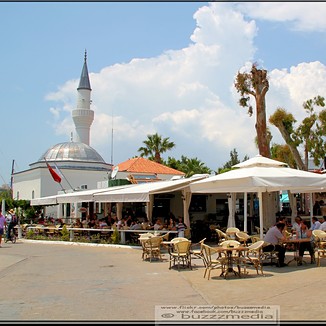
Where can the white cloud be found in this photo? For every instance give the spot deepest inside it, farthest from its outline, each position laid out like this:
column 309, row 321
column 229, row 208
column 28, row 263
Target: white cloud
column 304, row 16
column 187, row 94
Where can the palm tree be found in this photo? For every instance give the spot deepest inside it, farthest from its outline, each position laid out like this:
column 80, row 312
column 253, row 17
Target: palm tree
column 189, row 166
column 155, row 145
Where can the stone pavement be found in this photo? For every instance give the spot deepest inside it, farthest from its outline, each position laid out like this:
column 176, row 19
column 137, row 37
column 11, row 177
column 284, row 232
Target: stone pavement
column 56, row 281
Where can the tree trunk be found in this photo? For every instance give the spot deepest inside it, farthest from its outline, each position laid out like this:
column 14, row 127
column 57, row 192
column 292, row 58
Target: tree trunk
column 261, row 128
column 286, row 136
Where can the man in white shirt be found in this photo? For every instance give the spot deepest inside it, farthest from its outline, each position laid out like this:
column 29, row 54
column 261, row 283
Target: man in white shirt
column 315, row 223
column 296, row 225
column 323, row 224
column 274, row 237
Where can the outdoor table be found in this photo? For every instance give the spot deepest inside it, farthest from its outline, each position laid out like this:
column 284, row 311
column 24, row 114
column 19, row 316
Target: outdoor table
column 296, row 243
column 154, row 232
column 230, row 259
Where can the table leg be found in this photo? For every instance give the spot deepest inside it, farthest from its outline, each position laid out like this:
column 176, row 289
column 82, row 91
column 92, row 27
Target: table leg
column 229, row 268
column 295, row 254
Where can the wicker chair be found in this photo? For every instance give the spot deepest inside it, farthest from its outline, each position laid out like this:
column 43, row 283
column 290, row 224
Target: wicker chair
column 230, row 232
column 198, row 253
column 221, row 236
column 271, row 255
column 254, row 256
column 151, row 248
column 219, row 262
column 242, row 237
column 320, row 244
column 180, row 254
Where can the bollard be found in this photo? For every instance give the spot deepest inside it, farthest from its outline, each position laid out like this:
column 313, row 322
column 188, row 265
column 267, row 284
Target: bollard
column 20, row 233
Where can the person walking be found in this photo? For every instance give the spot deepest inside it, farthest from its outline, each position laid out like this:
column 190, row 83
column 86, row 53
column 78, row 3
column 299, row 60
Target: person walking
column 3, row 223
column 11, row 221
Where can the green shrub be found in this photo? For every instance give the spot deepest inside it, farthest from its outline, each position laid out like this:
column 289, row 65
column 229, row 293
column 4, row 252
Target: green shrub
column 115, row 236
column 65, row 234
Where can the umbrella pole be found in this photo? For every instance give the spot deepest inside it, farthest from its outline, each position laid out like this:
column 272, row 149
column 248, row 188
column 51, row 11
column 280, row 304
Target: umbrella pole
column 261, row 220
column 245, row 213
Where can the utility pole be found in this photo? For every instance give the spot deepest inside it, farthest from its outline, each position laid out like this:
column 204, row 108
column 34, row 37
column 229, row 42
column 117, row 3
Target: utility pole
column 12, row 178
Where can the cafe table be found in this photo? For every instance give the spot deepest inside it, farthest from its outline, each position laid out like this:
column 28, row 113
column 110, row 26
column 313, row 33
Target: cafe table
column 233, row 255
column 296, row 243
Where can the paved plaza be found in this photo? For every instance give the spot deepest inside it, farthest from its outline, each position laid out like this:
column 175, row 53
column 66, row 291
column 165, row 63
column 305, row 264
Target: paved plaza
column 51, row 281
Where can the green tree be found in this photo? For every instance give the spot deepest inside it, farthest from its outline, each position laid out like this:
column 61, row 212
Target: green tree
column 284, row 121
column 155, row 145
column 234, row 159
column 283, row 153
column 310, row 134
column 255, row 84
column 189, row 166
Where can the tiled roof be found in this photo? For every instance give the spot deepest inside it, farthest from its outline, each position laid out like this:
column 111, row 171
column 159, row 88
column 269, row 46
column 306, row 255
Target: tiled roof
column 143, row 165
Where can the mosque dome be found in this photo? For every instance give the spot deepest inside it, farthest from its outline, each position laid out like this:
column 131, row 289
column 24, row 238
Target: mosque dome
column 72, row 151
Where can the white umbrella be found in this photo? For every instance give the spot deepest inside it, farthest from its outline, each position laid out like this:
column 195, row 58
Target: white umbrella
column 260, row 175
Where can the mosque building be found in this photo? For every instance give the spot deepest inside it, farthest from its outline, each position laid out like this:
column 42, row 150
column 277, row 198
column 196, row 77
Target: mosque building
column 77, row 165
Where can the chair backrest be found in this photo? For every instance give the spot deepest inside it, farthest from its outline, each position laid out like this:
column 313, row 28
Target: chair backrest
column 182, row 247
column 255, row 238
column 319, row 235
column 165, row 237
column 208, row 252
column 242, row 236
column 177, row 239
column 155, row 242
column 230, row 243
column 145, row 236
column 256, row 246
column 221, row 235
column 231, row 231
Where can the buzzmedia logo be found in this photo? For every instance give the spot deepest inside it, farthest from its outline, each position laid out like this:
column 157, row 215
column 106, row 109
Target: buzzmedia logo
column 211, row 314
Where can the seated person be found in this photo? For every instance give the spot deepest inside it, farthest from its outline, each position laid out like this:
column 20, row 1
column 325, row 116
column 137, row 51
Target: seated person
column 158, row 225
column 296, row 225
column 305, row 233
column 323, row 223
column 135, row 225
column 103, row 224
column 78, row 223
column 180, row 226
column 315, row 223
column 274, row 237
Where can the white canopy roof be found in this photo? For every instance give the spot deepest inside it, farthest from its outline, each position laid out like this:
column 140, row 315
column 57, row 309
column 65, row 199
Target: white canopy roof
column 49, row 200
column 141, row 192
column 263, row 176
column 124, row 193
column 73, row 197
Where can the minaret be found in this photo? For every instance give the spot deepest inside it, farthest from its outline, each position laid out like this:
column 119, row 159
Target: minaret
column 83, row 116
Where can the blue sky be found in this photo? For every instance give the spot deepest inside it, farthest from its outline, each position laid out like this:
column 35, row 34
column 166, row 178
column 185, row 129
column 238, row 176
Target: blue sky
column 161, row 67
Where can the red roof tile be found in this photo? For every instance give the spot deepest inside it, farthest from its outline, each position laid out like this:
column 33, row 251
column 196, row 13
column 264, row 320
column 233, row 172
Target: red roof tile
column 143, row 165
